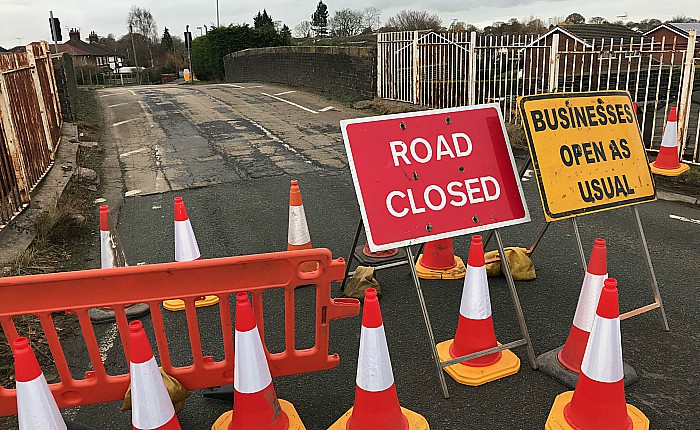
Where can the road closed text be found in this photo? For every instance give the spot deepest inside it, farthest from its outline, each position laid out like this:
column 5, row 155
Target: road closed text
column 436, row 196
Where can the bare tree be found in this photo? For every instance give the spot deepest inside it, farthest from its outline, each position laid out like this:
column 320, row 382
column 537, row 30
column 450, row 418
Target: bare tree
column 345, row 22
column 140, row 20
column 303, row 29
column 408, row 20
column 371, row 18
column 597, row 20
column 682, row 18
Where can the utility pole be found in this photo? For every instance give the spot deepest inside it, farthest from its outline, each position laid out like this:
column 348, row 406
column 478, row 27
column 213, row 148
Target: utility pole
column 217, row 13
column 133, row 46
column 188, row 42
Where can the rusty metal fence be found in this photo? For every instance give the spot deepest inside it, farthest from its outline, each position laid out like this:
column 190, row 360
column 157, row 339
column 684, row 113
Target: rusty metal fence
column 440, row 69
column 30, row 125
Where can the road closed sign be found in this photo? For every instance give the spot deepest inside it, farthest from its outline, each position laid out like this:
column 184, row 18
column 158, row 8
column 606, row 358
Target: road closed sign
column 424, row 176
column 587, row 152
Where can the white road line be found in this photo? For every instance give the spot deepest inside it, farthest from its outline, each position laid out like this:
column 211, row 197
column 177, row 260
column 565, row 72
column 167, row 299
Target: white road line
column 325, row 109
column 164, row 103
column 288, row 102
column 254, row 86
column 108, row 342
column 118, row 104
column 528, row 174
column 135, row 151
column 112, row 94
column 682, row 218
column 285, row 92
column 233, row 85
column 132, row 193
column 123, row 122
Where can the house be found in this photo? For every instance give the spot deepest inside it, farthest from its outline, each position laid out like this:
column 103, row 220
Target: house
column 2, row 50
column 673, row 36
column 91, row 54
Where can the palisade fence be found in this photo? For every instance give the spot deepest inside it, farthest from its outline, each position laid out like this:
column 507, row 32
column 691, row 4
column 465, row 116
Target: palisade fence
column 439, row 70
column 30, row 125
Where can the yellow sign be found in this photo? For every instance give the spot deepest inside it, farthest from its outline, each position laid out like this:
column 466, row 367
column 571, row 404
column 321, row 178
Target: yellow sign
column 587, row 152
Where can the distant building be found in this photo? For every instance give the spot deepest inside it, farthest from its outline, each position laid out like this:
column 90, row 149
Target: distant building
column 673, row 36
column 91, row 54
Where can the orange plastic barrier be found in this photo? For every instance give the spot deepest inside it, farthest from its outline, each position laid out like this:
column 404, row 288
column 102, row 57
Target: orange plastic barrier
column 77, row 292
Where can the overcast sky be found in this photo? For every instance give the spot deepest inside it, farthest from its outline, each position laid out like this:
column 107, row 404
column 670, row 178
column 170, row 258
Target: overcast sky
column 28, row 19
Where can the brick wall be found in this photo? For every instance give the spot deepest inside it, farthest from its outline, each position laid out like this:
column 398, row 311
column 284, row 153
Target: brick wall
column 338, row 71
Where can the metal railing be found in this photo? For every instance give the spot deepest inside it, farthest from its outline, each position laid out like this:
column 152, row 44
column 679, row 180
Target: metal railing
column 30, row 125
column 441, row 70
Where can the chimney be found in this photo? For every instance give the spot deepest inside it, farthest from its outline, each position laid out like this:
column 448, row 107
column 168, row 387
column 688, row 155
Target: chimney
column 93, row 37
column 74, row 34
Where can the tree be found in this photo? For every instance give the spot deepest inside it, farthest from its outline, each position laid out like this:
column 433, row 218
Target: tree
column 682, row 18
column 263, row 20
column 575, row 18
column 411, row 20
column 167, row 41
column 303, row 29
column 597, row 20
column 533, row 26
column 141, row 21
column 647, row 24
column 345, row 22
column 371, row 18
column 319, row 19
column 286, row 34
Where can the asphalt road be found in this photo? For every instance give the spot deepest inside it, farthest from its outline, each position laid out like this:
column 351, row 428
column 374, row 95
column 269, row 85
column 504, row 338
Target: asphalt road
column 230, row 153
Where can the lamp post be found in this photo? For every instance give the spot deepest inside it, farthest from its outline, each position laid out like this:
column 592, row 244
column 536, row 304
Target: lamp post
column 217, row 13
column 200, row 30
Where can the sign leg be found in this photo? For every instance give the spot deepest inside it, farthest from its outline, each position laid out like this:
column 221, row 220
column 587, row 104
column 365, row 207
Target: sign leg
column 654, row 283
column 428, row 326
column 348, row 262
column 581, row 254
column 516, row 301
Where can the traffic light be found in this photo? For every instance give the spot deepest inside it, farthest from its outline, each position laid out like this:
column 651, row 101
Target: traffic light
column 55, row 26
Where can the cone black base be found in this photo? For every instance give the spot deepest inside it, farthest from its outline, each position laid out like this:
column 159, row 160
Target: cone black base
column 225, row 392
column 550, row 365
column 103, row 315
column 70, row 425
column 373, row 262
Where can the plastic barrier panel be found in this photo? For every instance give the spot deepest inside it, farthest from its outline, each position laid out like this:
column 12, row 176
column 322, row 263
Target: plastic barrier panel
column 40, row 295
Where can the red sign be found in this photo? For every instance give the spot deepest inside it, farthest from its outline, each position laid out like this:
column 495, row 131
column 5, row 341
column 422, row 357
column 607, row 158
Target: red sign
column 424, row 176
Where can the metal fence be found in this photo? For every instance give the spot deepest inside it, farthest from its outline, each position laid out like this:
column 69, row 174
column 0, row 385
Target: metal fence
column 441, row 70
column 30, row 125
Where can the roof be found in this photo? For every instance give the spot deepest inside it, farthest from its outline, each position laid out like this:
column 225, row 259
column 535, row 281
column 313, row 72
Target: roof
column 680, row 28
column 594, row 34
column 78, row 47
column 2, row 49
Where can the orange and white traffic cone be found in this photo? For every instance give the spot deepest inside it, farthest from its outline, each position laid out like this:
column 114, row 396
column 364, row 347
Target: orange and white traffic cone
column 151, row 407
column 255, row 403
column 599, row 399
column 438, row 261
column 186, row 249
column 298, row 236
column 571, row 355
column 36, row 407
column 112, row 255
column 475, row 330
column 667, row 161
column 376, row 402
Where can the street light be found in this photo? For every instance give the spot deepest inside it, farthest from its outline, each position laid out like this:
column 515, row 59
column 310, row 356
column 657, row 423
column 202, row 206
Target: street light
column 206, row 30
column 200, row 30
column 217, row 13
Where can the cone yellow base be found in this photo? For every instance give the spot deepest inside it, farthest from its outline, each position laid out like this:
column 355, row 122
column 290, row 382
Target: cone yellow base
column 669, row 172
column 294, row 420
column 415, row 421
column 556, row 420
column 509, row 364
column 457, row 272
column 179, row 305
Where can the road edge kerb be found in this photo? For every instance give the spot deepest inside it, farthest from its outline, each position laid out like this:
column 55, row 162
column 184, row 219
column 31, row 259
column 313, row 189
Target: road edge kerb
column 671, row 196
column 20, row 232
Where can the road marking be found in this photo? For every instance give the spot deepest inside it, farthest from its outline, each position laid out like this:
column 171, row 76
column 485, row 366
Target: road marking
column 135, row 151
column 285, row 92
column 682, row 218
column 325, row 109
column 108, row 342
column 233, row 85
column 118, row 104
column 164, row 103
column 254, row 86
column 290, row 103
column 100, row 200
column 528, row 174
column 112, row 94
column 132, row 193
column 122, row 122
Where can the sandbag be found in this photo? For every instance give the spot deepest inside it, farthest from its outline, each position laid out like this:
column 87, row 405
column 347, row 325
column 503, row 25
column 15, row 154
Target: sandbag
column 362, row 279
column 521, row 266
column 178, row 393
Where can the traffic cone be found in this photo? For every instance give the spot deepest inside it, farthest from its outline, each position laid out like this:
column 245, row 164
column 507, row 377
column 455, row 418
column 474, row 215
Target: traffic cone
column 255, row 403
column 36, row 407
column 151, row 407
column 186, row 249
column 599, row 399
column 374, row 259
column 298, row 236
column 666, row 162
column 475, row 330
column 376, row 402
column 564, row 364
column 438, row 261
column 112, row 255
